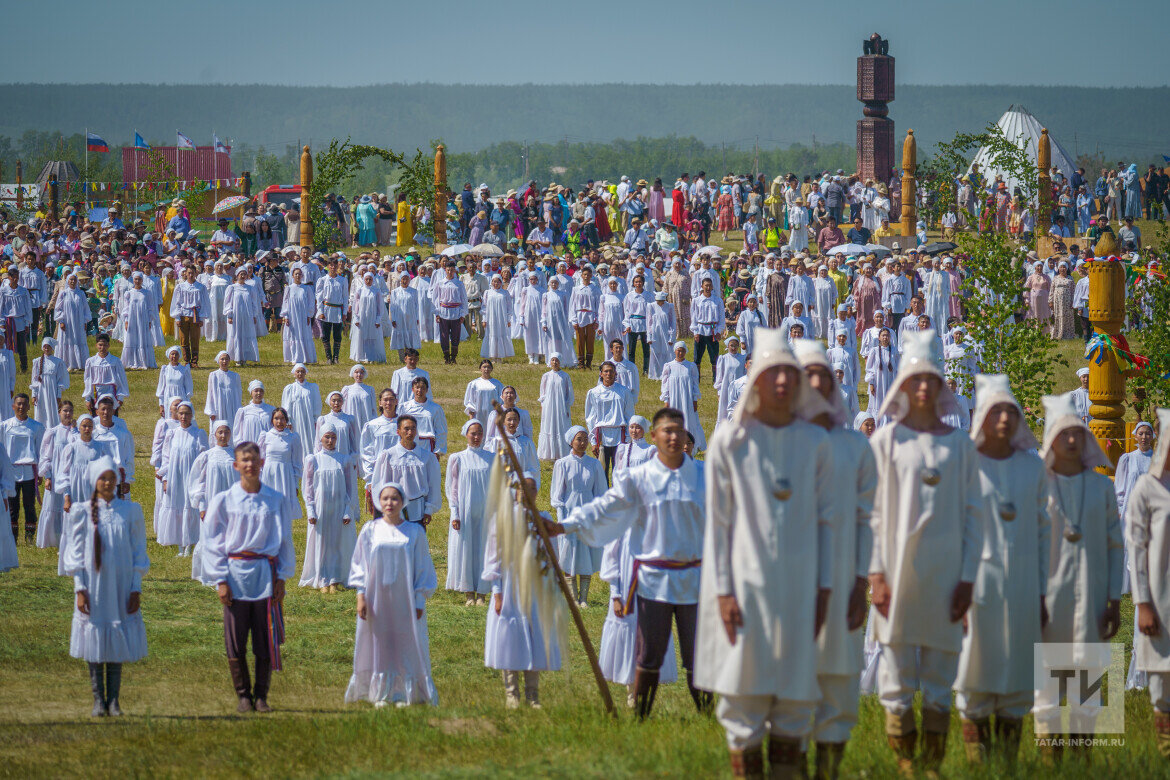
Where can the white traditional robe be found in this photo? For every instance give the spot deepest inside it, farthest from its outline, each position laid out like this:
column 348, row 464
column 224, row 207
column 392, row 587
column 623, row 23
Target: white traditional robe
column 138, row 339
column 1147, row 527
column 302, row 401
column 72, row 314
column 881, row 366
column 299, row 308
column 367, row 334
column 405, row 319
column 51, row 520
column 576, row 481
column 174, row 382
column 467, row 491
column 937, row 294
column 824, row 306
column 213, row 473
column 392, row 568
column 358, row 401
column 251, row 421
column 728, row 369
column 661, row 333
column 680, row 389
column 402, row 379
column 284, row 458
column 223, row 396
column 417, row 471
column 556, row 405
column 431, row 421
column 49, row 379
column 104, row 375
column 496, row 311
column 607, row 412
column 557, row 336
column 378, row 435
column 215, row 327
column 108, row 634
column 477, row 399
column 330, row 490
column 179, row 523
column 530, row 320
column 242, row 324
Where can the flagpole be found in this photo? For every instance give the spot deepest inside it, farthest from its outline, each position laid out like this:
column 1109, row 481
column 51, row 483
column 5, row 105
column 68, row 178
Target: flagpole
column 86, row 201
column 214, row 168
column 135, row 183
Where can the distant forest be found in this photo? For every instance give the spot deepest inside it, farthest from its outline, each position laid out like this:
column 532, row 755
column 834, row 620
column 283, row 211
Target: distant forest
column 567, row 132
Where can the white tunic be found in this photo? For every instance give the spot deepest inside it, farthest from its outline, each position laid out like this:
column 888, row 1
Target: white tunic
column 238, row 521
column 1083, row 576
column 497, row 319
column 556, row 403
column 378, row 435
column 431, row 422
column 556, row 335
column 417, row 471
column 926, row 538
column 121, row 444
column 467, row 483
column 180, row 521
column 405, row 318
column 284, row 457
column 358, row 400
column 680, row 389
column 243, row 324
column 108, row 634
column 477, row 399
column 302, row 401
column 49, row 379
column 296, row 337
column 251, row 421
column 575, row 482
column 51, row 520
column 772, row 555
column 607, row 410
column 1147, row 525
column 728, row 369
column 401, row 380
column 1003, row 621
column 105, row 375
column 174, row 382
column 392, row 568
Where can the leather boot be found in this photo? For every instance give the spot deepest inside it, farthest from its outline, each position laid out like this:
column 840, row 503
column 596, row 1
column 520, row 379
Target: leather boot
column 260, row 689
column 934, row 739
column 242, row 683
column 785, row 760
column 748, row 763
column 97, row 683
column 1007, row 737
column 902, row 737
column 512, row 690
column 645, row 689
column 829, row 759
column 113, row 688
column 532, row 689
column 704, row 701
column 976, row 739
column 1162, row 732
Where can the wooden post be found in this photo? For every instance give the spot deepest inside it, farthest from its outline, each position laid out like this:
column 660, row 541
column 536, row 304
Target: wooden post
column 1106, row 382
column 19, row 182
column 306, row 201
column 440, row 207
column 909, row 188
column 1043, row 184
column 551, row 554
column 53, row 201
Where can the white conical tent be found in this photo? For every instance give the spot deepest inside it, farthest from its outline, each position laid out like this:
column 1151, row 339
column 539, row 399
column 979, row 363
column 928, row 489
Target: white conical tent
column 1019, row 125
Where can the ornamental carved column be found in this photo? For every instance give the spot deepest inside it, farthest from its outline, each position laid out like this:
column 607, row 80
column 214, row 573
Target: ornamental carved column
column 909, row 186
column 306, row 200
column 1106, row 382
column 1043, row 184
column 440, row 206
column 875, row 88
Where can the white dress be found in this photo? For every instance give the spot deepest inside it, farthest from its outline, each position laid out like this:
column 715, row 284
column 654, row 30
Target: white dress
column 330, row 490
column 108, row 634
column 513, row 641
column 302, row 401
column 556, row 404
column 296, row 338
column 358, row 400
column 405, row 319
column 662, row 332
column 367, row 334
column 556, row 335
column 284, row 459
column 576, row 481
column 174, row 382
column 251, row 421
column 73, row 314
column 215, row 326
column 138, row 340
column 242, row 327
column 161, row 428
column 727, row 370
column 478, row 397
column 466, row 487
column 180, row 521
column 680, row 389
column 391, row 653
column 497, row 316
column 213, row 473
column 52, row 517
column 223, row 395
column 49, row 379
column 531, row 303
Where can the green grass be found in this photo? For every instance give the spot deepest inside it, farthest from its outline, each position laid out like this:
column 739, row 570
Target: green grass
column 181, row 717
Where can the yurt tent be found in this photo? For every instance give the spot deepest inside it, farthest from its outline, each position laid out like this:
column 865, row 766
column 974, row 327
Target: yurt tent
column 1019, row 125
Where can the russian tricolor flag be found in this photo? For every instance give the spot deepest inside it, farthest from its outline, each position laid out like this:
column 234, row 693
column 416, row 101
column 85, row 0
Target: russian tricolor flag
column 95, row 143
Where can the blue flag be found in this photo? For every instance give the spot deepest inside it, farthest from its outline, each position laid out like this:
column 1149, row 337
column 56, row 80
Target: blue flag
column 139, row 142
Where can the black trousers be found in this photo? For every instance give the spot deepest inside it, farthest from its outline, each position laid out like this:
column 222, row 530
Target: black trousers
column 653, row 633
column 239, row 620
column 36, row 323
column 331, row 332
column 21, row 348
column 26, row 493
column 632, row 340
column 897, row 318
column 449, row 332
column 709, row 345
column 607, row 456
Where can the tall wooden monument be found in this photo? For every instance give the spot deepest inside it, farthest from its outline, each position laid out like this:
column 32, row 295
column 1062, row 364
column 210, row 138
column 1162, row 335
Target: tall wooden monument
column 875, row 88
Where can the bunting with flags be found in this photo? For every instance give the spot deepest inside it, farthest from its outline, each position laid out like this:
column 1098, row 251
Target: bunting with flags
column 95, row 143
column 183, row 142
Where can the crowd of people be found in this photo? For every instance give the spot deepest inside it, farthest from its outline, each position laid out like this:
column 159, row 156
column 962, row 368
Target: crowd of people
column 932, row 501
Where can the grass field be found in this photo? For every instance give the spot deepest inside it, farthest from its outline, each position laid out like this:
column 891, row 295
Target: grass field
column 181, row 717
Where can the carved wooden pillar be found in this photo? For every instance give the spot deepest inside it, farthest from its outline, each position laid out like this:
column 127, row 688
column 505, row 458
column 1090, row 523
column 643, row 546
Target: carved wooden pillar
column 1106, row 382
column 440, row 206
column 19, row 181
column 909, row 188
column 53, row 201
column 1043, row 184
column 306, row 199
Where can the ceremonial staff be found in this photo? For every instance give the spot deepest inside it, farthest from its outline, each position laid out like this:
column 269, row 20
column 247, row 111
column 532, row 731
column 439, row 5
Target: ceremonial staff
column 529, row 501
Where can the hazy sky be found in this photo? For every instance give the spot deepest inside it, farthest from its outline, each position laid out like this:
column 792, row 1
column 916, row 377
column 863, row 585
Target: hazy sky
column 323, row 43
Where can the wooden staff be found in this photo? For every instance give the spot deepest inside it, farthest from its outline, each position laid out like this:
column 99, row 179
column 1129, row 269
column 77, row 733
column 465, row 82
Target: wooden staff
column 530, row 504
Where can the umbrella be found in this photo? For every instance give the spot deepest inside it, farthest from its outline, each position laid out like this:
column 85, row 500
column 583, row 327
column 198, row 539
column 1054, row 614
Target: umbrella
column 456, row 249
column 486, row 250
column 849, row 249
column 710, row 250
column 229, row 203
column 878, row 250
column 938, row 247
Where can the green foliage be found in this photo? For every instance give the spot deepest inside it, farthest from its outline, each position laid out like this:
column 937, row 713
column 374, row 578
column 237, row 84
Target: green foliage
column 1008, row 344
column 1148, row 302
